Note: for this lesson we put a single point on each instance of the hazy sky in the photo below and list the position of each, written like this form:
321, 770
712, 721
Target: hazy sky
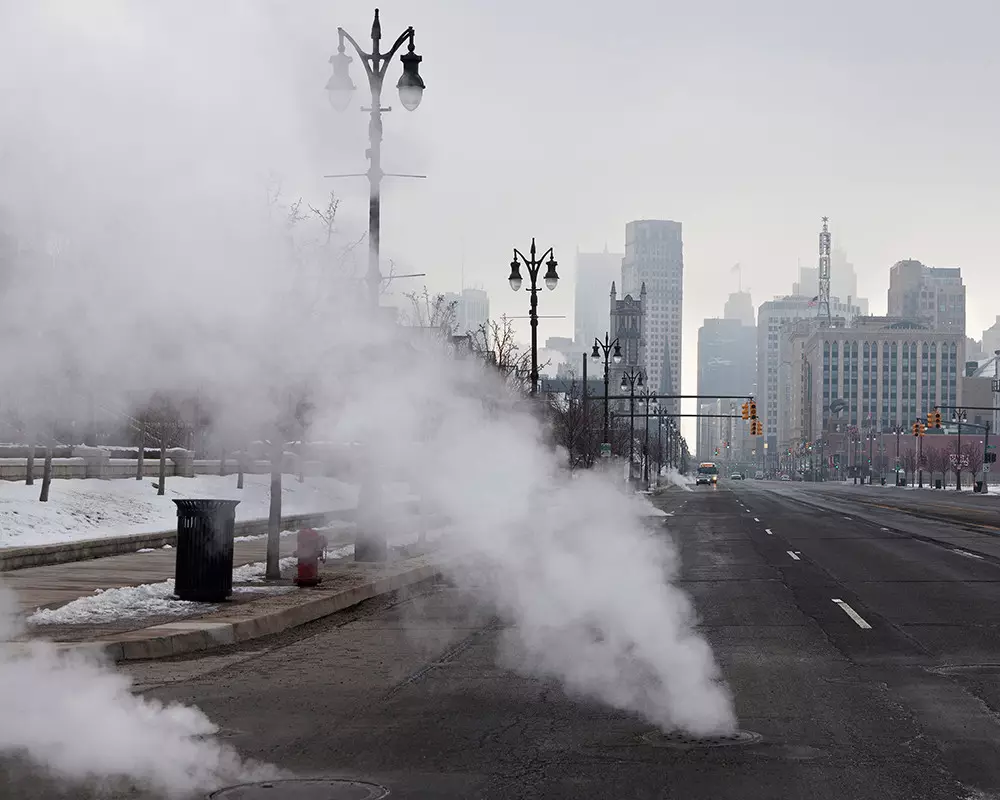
746, 122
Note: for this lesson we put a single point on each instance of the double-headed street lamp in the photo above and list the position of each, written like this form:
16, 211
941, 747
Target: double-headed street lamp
631, 380
959, 416
612, 352
340, 88
551, 279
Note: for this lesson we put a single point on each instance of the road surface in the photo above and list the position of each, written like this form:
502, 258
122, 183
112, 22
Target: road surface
866, 661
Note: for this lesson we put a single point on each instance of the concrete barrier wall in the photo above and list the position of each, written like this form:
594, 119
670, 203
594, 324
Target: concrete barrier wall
16, 469
44, 555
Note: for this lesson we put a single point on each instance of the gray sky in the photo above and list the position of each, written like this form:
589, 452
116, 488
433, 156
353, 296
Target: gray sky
746, 122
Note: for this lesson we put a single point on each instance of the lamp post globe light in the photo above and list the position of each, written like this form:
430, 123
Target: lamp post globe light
340, 89
551, 279
611, 351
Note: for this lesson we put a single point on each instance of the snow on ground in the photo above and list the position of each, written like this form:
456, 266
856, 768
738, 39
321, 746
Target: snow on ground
92, 509
147, 600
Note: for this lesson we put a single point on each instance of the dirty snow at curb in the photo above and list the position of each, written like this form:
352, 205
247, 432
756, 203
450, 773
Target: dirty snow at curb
148, 600
94, 509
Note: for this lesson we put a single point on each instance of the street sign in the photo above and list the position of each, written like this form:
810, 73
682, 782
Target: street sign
986, 467
996, 385
605, 450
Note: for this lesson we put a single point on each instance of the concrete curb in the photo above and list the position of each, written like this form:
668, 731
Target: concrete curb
193, 636
13, 558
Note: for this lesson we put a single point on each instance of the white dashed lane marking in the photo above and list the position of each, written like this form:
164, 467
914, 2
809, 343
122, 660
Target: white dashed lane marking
794, 554
966, 554
854, 615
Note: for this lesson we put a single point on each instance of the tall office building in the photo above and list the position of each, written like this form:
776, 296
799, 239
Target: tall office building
739, 306
991, 339
727, 366
595, 273
772, 317
472, 309
933, 294
654, 257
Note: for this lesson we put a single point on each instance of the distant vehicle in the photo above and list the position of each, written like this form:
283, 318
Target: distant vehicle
759, 475
785, 478
736, 477
708, 474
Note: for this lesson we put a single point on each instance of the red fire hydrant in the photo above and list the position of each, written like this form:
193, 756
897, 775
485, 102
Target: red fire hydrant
310, 550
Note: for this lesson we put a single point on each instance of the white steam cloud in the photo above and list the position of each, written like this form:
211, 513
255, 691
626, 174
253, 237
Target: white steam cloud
80, 720
153, 252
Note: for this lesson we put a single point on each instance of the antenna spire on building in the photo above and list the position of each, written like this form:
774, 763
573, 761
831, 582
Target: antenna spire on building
824, 272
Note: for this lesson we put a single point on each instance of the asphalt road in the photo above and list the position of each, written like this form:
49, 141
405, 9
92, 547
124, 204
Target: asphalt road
866, 660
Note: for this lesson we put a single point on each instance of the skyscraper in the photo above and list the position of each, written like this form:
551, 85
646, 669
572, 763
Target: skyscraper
843, 281
739, 306
933, 294
727, 366
594, 274
654, 257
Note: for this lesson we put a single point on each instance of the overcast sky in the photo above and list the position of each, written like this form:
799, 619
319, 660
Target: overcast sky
745, 122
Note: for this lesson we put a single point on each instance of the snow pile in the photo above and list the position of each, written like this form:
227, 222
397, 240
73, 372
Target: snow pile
147, 600
112, 605
91, 509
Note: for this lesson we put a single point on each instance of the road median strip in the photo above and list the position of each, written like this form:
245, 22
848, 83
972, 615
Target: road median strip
344, 587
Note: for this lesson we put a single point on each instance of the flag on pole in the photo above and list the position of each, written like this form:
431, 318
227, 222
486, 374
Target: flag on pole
813, 301
736, 267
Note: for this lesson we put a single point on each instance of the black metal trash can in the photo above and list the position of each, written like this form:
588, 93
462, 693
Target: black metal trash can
937, 483
204, 566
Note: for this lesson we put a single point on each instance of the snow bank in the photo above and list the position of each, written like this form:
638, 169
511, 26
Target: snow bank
91, 509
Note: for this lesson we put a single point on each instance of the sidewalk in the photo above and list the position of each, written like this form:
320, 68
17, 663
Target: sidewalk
269, 609
57, 584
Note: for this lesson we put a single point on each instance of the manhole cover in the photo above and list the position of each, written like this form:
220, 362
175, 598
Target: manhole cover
304, 789
685, 741
966, 669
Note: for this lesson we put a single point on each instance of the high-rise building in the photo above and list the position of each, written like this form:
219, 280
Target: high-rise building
772, 317
933, 294
991, 339
472, 309
843, 281
727, 367
654, 257
739, 306
594, 274
628, 326
884, 371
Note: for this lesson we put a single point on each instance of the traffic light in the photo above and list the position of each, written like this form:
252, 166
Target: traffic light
923, 428
930, 419
746, 411
916, 428
937, 419
753, 410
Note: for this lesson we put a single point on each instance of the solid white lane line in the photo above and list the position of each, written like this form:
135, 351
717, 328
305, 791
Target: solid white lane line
768, 531
858, 619
965, 553
846, 517
794, 555
755, 519
885, 529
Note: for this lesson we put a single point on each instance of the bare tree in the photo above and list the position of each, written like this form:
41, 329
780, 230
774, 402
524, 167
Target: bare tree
576, 425
430, 311
973, 453
937, 462
909, 459
495, 343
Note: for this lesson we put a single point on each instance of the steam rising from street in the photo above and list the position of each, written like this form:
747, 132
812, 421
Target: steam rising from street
154, 194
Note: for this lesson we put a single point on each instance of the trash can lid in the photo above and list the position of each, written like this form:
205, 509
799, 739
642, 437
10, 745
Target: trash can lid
200, 504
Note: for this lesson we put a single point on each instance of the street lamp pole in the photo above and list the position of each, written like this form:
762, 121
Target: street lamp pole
340, 88
650, 398
959, 416
629, 382
551, 279
611, 351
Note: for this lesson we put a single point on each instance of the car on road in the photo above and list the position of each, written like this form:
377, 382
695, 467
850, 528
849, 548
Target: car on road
785, 478
736, 477
708, 473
